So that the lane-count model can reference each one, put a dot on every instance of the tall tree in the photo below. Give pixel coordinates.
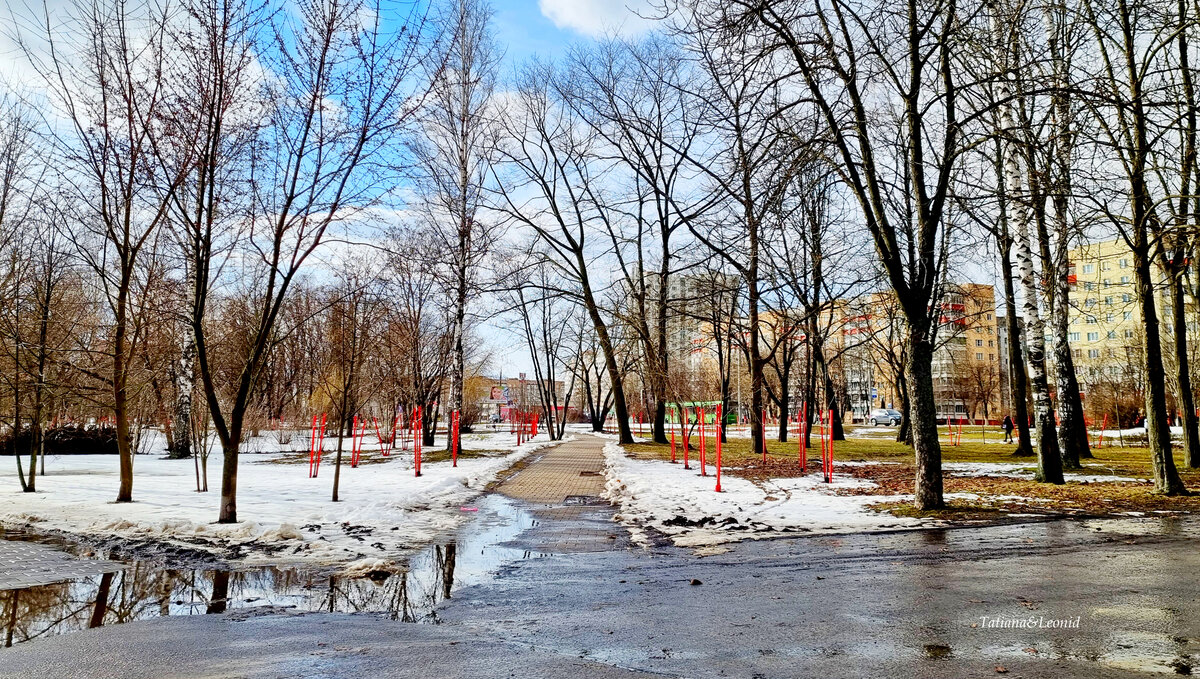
(337, 88)
(111, 87)
(889, 82)
(633, 95)
(455, 152)
(1130, 106)
(553, 187)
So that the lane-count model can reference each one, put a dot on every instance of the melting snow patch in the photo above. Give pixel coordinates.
(684, 505)
(286, 517)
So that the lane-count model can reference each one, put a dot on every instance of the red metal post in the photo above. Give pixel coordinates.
(685, 442)
(454, 438)
(720, 426)
(418, 433)
(703, 443)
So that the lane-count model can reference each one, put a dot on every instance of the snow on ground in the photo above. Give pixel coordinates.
(285, 517)
(684, 505)
(1026, 470)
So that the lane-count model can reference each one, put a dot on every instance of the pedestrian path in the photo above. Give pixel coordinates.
(574, 469)
(561, 488)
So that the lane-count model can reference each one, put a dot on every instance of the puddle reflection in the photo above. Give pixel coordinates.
(147, 590)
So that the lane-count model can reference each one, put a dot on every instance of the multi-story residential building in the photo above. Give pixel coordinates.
(1105, 331)
(863, 344)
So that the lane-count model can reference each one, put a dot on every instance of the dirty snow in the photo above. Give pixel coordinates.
(286, 517)
(684, 505)
(1026, 470)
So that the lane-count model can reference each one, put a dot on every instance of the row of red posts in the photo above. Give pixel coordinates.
(524, 425)
(387, 443)
(955, 437)
(803, 425)
(701, 416)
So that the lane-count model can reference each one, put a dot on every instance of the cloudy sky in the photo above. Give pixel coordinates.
(546, 27)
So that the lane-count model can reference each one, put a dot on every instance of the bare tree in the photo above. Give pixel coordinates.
(111, 86)
(1130, 107)
(340, 87)
(454, 150)
(889, 82)
(553, 187)
(632, 94)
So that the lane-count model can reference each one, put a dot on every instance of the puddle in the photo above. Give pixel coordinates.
(149, 589)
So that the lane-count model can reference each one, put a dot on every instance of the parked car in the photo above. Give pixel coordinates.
(885, 416)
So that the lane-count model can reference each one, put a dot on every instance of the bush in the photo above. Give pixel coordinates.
(66, 440)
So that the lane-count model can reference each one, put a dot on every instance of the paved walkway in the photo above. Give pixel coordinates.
(564, 474)
(28, 564)
(561, 488)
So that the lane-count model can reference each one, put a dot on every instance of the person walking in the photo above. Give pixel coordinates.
(1007, 426)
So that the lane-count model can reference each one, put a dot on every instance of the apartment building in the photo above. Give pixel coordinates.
(1105, 332)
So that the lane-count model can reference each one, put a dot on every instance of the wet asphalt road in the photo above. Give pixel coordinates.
(895, 605)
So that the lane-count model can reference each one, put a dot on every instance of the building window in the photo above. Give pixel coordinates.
(1128, 315)
(1074, 337)
(1112, 334)
(978, 356)
(1105, 265)
(1124, 280)
(991, 343)
(1126, 298)
(1108, 318)
(1128, 334)
(1124, 264)
(1106, 283)
(1093, 336)
(978, 343)
(991, 357)
(1090, 302)
(1093, 353)
(989, 317)
(1077, 353)
(1091, 320)
(1089, 268)
(1108, 301)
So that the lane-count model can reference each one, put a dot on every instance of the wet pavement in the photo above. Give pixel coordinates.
(547, 588)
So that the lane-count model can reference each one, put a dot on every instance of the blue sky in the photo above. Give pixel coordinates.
(548, 27)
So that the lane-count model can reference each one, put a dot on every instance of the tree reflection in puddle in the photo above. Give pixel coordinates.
(143, 591)
(148, 589)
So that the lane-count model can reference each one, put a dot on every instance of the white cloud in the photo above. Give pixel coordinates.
(599, 17)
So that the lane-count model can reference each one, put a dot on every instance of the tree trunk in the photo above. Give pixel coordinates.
(1158, 433)
(926, 447)
(1017, 379)
(185, 386)
(904, 431)
(1049, 459)
(120, 395)
(1183, 378)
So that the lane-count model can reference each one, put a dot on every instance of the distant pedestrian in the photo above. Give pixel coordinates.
(1007, 426)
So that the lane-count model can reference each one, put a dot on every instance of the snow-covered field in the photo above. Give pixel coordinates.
(684, 505)
(285, 516)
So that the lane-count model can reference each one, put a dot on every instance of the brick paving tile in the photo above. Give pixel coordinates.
(574, 468)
